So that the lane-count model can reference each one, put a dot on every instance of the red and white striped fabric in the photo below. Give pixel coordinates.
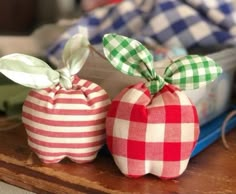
(152, 133)
(66, 123)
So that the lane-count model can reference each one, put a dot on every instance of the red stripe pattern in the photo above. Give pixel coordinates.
(66, 123)
(152, 133)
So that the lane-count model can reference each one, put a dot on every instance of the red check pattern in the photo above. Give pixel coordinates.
(152, 134)
(66, 123)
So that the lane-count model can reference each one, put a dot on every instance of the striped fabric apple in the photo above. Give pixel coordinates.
(152, 127)
(64, 116)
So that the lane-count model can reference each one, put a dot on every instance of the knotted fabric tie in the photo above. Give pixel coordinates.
(132, 58)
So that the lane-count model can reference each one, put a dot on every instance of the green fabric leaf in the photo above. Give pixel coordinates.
(35, 73)
(76, 52)
(129, 56)
(192, 72)
(28, 71)
(132, 58)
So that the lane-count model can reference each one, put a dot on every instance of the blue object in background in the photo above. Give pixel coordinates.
(211, 131)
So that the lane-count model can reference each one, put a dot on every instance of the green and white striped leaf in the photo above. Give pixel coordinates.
(192, 72)
(28, 71)
(76, 52)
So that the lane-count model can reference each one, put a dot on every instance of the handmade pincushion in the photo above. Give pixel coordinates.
(64, 116)
(153, 127)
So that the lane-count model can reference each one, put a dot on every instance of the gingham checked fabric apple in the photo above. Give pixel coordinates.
(153, 127)
(64, 116)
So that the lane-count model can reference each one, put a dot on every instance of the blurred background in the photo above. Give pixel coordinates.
(22, 17)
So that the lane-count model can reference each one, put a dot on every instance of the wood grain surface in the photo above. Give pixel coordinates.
(212, 171)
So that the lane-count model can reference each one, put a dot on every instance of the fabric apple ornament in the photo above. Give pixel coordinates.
(153, 127)
(64, 116)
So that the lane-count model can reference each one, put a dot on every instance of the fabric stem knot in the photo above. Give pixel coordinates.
(65, 78)
(155, 85)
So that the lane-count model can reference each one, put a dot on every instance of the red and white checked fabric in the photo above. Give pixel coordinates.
(152, 133)
(66, 123)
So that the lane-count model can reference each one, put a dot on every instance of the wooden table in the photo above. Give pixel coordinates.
(212, 171)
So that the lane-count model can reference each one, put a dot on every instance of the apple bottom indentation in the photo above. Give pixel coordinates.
(152, 133)
(64, 123)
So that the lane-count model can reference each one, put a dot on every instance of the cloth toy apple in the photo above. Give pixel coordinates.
(64, 116)
(152, 127)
